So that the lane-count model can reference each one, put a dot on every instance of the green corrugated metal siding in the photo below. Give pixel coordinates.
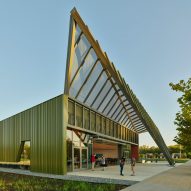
(43, 126)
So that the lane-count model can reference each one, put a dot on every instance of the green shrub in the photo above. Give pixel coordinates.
(2, 185)
(16, 182)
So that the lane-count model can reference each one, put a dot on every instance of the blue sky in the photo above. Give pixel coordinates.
(148, 41)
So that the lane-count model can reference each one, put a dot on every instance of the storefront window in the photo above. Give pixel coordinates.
(93, 121)
(79, 115)
(71, 113)
(103, 125)
(107, 126)
(98, 123)
(111, 129)
(86, 119)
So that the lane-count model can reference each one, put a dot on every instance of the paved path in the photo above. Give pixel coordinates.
(143, 171)
(175, 179)
(110, 175)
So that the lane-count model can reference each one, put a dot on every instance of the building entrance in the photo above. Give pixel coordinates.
(80, 158)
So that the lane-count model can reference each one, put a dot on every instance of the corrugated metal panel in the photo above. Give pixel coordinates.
(43, 126)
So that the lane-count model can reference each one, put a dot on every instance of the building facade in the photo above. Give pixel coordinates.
(97, 113)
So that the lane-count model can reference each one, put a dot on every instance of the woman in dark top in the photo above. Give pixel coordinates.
(133, 161)
(122, 163)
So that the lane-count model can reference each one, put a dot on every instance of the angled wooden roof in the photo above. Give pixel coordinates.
(92, 79)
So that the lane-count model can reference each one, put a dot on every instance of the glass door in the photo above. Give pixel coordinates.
(84, 158)
(80, 158)
(126, 155)
(77, 158)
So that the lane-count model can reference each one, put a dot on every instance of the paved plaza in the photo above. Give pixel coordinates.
(154, 176)
(110, 175)
(142, 171)
(175, 179)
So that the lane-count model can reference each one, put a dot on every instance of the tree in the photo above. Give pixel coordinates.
(146, 149)
(183, 117)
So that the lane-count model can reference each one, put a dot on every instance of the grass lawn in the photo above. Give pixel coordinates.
(16, 182)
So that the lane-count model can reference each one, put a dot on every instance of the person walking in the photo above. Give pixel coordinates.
(133, 161)
(103, 162)
(121, 164)
(93, 160)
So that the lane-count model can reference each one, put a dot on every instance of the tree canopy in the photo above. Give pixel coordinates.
(183, 117)
(155, 150)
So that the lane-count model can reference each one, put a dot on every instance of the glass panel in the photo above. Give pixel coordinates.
(111, 129)
(124, 133)
(132, 114)
(108, 97)
(120, 114)
(110, 104)
(124, 115)
(76, 140)
(130, 110)
(120, 93)
(118, 111)
(114, 108)
(87, 139)
(129, 125)
(79, 115)
(136, 121)
(137, 138)
(71, 113)
(117, 87)
(133, 117)
(126, 102)
(103, 125)
(89, 84)
(80, 51)
(69, 135)
(133, 137)
(78, 31)
(126, 136)
(98, 123)
(93, 122)
(83, 73)
(97, 88)
(113, 80)
(126, 122)
(123, 98)
(114, 129)
(107, 126)
(84, 158)
(76, 158)
(119, 131)
(102, 95)
(128, 107)
(86, 119)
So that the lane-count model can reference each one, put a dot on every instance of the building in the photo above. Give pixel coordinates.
(98, 112)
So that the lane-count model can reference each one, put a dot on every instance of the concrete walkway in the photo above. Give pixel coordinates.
(110, 175)
(143, 171)
(175, 179)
